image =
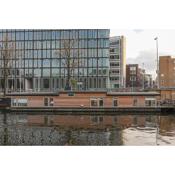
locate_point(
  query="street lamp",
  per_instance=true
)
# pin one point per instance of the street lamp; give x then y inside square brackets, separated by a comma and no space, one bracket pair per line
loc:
[157,49]
[143,74]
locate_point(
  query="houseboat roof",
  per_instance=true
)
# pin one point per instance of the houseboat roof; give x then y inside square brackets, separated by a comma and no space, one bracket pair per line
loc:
[110,93]
[133,93]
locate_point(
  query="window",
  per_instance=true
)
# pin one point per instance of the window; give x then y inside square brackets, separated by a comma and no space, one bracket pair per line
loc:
[114,64]
[14,102]
[92,43]
[71,94]
[150,101]
[19,102]
[46,63]
[114,57]
[135,101]
[51,101]
[92,33]
[115,102]
[55,72]
[83,34]
[97,102]
[116,85]
[103,33]
[46,72]
[22,102]
[114,78]
[94,102]
[101,102]
[46,84]
[37,72]
[132,68]
[115,71]
[132,72]
[112,50]
[162,82]
[48,101]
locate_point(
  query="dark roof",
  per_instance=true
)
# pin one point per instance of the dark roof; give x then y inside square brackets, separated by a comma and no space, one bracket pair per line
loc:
[133,93]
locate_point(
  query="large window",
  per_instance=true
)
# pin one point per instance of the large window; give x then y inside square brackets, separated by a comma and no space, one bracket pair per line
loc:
[37,72]
[150,101]
[19,102]
[46,83]
[96,102]
[48,101]
[46,72]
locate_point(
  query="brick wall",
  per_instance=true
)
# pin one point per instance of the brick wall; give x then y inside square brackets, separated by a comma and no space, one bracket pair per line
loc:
[83,99]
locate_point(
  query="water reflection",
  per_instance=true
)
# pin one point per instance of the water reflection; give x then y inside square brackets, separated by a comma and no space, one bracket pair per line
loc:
[28,129]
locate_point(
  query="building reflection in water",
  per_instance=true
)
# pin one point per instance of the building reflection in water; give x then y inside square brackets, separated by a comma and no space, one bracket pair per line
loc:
[23,129]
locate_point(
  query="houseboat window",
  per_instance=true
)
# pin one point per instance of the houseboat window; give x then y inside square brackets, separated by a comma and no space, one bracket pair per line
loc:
[48,101]
[22,102]
[150,102]
[94,102]
[51,102]
[71,94]
[115,102]
[14,102]
[97,102]
[19,102]
[100,102]
[135,101]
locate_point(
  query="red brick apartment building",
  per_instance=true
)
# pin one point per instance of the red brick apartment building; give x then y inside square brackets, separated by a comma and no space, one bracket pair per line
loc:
[134,76]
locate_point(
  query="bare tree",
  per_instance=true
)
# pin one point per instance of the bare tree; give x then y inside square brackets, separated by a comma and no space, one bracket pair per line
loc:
[7,50]
[69,59]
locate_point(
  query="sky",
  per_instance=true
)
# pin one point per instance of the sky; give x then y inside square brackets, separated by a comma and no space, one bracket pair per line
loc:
[141,46]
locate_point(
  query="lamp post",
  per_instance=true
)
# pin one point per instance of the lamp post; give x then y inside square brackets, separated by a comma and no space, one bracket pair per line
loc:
[143,72]
[20,75]
[157,50]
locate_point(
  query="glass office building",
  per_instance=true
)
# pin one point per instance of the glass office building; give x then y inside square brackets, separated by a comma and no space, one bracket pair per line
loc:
[35,62]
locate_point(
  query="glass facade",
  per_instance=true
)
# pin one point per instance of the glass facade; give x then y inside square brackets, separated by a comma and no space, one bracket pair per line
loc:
[36,62]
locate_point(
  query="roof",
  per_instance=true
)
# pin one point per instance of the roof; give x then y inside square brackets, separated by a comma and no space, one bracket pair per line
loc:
[110,93]
[133,93]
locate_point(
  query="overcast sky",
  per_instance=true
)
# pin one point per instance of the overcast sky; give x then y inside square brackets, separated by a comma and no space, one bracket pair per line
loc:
[141,46]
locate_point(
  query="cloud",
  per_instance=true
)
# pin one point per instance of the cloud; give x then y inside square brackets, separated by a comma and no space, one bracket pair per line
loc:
[148,57]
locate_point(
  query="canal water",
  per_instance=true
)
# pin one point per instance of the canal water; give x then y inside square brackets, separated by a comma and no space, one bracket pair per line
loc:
[32,129]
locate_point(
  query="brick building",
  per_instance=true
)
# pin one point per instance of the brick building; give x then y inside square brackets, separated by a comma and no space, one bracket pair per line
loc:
[134,77]
[166,72]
